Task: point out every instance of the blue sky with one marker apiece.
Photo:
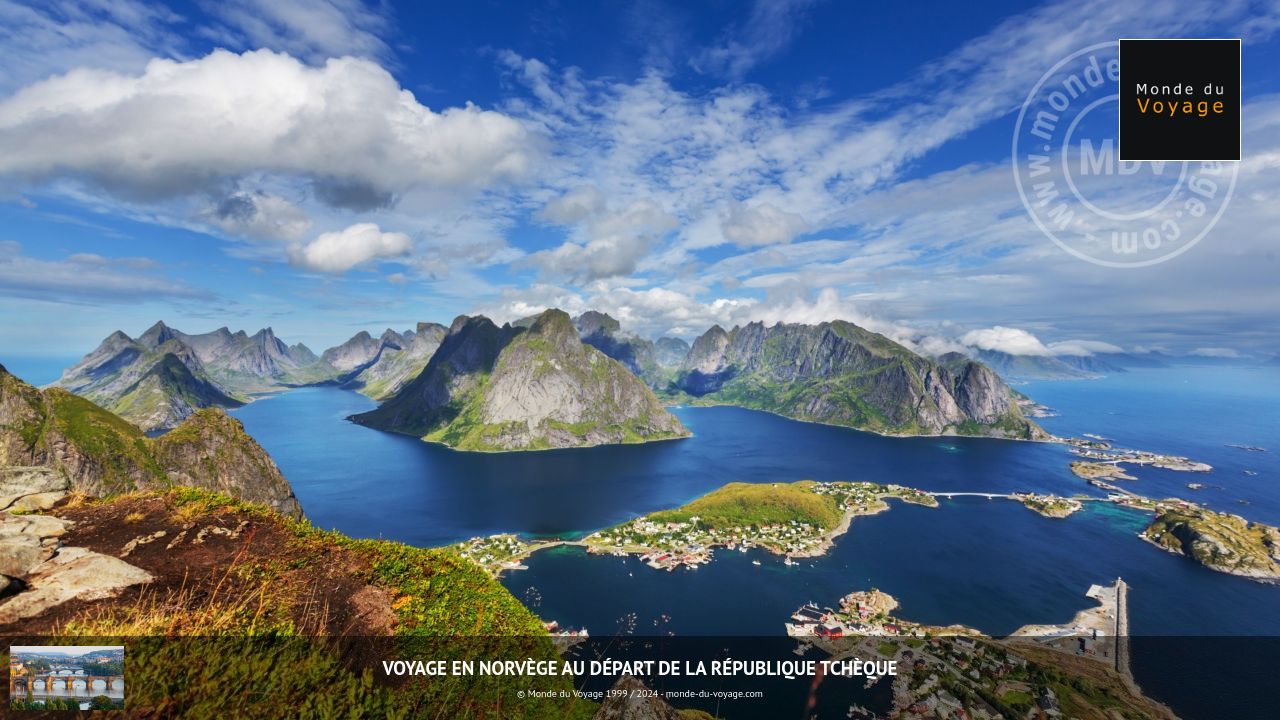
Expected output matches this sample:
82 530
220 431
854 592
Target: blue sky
330 166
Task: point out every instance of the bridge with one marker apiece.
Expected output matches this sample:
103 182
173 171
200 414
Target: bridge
989 496
51 681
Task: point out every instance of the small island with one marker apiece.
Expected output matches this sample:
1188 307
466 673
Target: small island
1095 471
1050 506
799 519
1219 541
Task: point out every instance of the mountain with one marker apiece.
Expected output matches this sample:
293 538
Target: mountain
518 388
1037 367
247 364
165 375
356 352
53 435
154 382
379 368
841 374
652 362
670 351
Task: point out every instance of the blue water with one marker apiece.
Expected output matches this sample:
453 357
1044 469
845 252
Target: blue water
993 565
37 370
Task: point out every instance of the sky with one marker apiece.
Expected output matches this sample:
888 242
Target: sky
333 166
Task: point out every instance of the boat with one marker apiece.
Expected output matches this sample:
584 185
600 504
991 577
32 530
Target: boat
755 562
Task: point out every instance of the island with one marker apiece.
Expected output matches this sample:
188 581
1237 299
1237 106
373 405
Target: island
799 519
1094 470
1050 506
1219 541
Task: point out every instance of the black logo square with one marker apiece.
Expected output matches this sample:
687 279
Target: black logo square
1180 100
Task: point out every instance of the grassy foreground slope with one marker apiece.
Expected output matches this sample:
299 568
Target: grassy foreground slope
255 614
744 504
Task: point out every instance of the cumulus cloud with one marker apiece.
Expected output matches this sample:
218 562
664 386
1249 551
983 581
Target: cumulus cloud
762 224
340 251
656 311
574 206
608 243
184 127
258 215
1005 339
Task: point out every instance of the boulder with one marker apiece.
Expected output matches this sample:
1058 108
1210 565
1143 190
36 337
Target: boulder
72 574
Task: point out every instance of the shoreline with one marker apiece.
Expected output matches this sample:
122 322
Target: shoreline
1051 440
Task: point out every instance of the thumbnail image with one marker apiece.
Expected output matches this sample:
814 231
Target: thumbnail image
66 677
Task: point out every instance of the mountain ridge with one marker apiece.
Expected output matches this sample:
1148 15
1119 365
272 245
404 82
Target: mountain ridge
523 388
841 374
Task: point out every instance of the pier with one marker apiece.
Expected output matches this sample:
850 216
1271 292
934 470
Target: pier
1122 630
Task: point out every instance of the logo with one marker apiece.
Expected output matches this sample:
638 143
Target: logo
1071 180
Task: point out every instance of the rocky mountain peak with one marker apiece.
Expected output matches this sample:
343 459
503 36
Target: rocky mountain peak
592 322
554 324
523 388
157 335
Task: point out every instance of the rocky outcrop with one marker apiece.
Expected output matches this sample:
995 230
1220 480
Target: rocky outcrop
26 489
39 573
841 374
516 388
53 442
211 450
1219 541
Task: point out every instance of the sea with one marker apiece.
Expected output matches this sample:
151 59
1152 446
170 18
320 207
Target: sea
1205 643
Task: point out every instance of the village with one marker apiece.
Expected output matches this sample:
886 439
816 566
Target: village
691 543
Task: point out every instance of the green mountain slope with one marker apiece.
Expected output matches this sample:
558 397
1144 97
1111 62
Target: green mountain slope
841 374
516 388
98 453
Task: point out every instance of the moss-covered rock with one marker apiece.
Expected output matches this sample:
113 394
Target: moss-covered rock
1219 541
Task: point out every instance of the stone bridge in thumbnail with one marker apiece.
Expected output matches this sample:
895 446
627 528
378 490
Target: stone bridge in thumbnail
49 682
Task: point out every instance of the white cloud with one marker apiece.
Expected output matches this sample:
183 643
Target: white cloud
762 224
338 252
42 39
1005 339
656 311
85 278
258 215
770 28
574 206
607 243
314 30
1083 348
185 127
1216 352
